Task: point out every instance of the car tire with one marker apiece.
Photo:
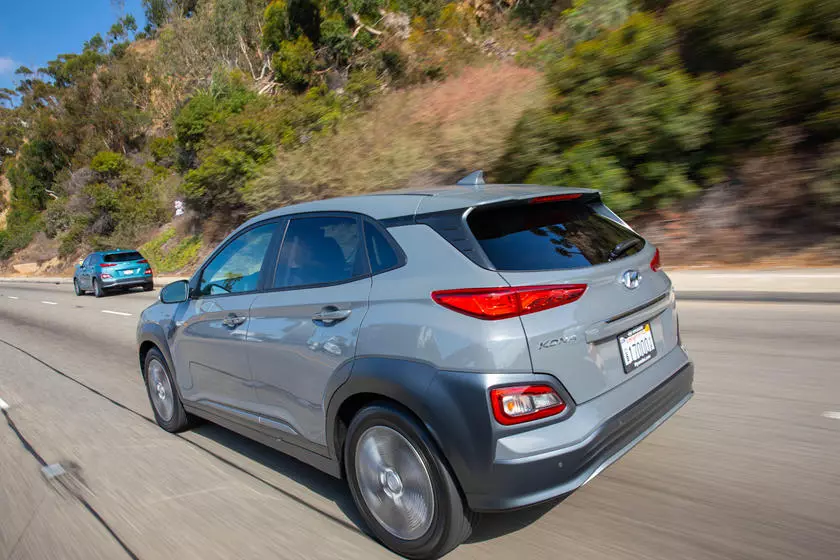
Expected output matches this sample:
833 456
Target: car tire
160 387
98 290
79 291
148 287
437 520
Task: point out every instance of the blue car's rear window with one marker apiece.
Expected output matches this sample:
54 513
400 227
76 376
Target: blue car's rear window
122 257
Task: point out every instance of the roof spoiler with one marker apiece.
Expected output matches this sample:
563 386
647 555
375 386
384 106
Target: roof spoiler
474 179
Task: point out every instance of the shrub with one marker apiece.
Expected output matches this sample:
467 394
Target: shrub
276 27
215 185
163 150
286 20
56 218
294 62
623 111
166 254
108 164
587 19
779 60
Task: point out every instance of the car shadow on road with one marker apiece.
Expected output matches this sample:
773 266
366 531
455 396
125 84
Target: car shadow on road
318 482
490 526
494 525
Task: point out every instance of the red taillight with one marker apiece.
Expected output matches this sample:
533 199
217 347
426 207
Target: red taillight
514 405
148 271
502 303
142 261
554 198
105 276
655 263
106 265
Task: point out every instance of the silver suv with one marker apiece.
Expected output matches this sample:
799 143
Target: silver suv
449 351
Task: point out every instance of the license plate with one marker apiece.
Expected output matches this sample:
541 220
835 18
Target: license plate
128 272
636 347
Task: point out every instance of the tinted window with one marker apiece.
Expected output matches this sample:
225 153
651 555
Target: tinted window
381 254
237 267
319 251
550 236
123 257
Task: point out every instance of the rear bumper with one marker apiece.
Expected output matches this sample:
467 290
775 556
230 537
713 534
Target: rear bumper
523 481
127 281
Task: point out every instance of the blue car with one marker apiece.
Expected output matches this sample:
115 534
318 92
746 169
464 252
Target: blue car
107 270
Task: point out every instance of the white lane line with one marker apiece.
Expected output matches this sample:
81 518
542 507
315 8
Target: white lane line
3 405
49 302
831 414
121 313
13 297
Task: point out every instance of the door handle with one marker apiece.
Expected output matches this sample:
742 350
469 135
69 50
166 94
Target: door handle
233 320
330 315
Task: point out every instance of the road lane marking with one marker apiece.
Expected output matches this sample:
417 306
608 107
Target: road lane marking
4 405
13 297
831 414
120 313
49 302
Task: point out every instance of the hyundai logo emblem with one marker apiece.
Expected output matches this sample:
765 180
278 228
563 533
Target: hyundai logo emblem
631 279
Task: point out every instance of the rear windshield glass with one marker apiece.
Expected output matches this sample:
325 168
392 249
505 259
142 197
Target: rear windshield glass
123 257
550 236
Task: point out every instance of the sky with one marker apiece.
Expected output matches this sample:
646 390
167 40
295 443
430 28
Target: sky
35 31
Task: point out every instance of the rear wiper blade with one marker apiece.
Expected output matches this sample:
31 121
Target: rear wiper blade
624 246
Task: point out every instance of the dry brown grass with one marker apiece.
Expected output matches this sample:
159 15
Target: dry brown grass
428 134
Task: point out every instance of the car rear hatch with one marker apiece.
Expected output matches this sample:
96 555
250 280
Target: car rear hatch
574 239
125 265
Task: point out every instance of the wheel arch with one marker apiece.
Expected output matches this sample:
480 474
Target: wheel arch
151 335
404 383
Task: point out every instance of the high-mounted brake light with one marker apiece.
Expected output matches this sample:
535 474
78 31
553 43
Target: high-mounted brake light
655 262
514 405
106 265
503 303
554 198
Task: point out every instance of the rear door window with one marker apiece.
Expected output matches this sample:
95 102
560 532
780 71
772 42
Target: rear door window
550 236
320 250
123 257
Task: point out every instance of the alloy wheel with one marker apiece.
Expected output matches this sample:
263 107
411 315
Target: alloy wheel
395 483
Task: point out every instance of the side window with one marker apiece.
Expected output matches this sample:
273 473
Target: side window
381 254
87 261
320 250
237 267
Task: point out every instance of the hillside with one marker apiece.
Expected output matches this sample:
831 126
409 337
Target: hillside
713 126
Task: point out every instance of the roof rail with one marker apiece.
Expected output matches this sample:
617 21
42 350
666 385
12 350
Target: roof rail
474 179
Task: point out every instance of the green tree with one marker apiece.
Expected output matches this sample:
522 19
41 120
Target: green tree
622 112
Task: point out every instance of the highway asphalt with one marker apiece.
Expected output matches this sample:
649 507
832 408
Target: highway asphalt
750 468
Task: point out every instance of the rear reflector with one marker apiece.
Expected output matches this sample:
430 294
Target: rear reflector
554 198
503 303
105 276
655 263
148 271
514 405
105 265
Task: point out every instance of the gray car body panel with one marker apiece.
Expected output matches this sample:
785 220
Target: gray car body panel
281 378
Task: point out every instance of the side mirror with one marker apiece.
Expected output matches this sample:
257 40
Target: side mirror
176 292
80 263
